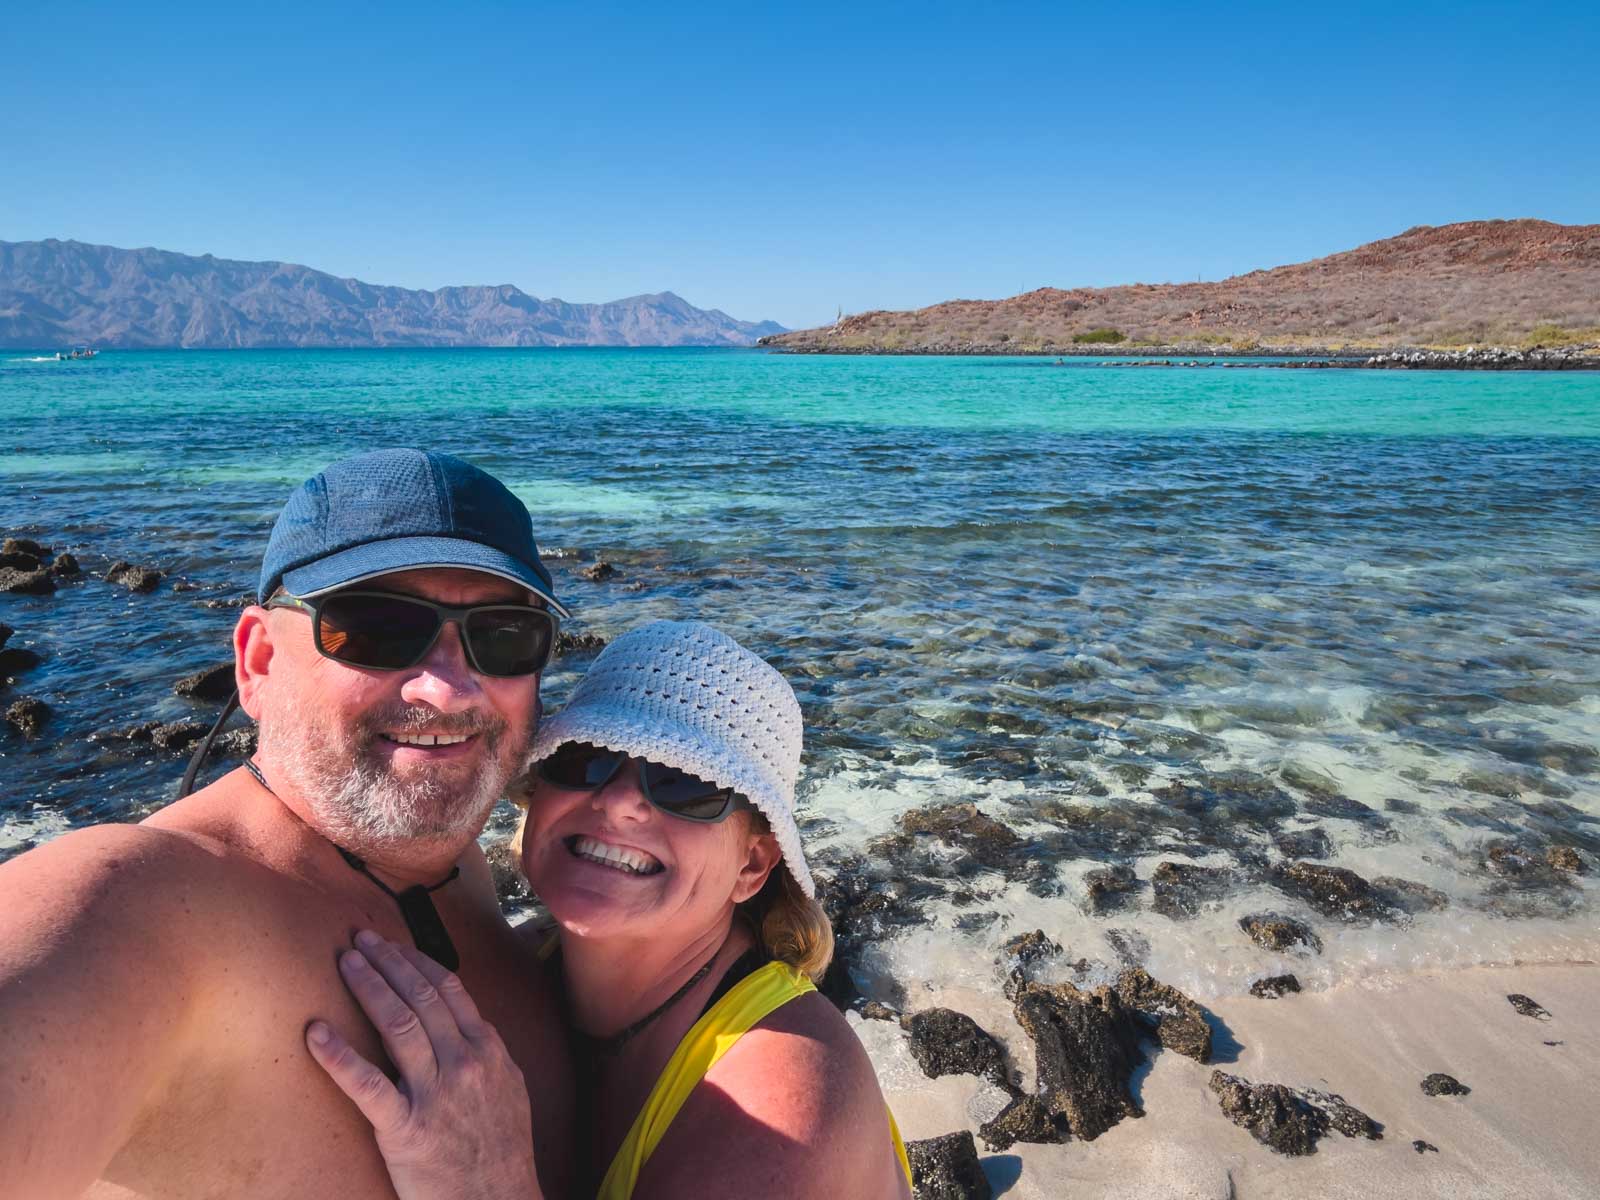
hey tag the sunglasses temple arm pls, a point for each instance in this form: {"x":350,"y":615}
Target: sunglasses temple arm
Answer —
{"x":204,"y":748}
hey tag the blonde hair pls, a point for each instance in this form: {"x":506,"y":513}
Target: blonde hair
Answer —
{"x":792,"y":926}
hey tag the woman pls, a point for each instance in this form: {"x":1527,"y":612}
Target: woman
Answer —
{"x":661,"y":836}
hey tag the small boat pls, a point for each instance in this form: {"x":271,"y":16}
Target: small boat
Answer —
{"x":76,"y":352}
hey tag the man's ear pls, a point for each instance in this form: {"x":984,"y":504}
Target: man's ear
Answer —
{"x":252,"y":658}
{"x":762,"y":855}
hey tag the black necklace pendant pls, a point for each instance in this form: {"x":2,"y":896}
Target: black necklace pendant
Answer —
{"x":427,"y":927}
{"x":422,"y":919}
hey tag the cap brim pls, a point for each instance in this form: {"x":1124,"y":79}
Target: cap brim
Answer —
{"x":368,"y":561}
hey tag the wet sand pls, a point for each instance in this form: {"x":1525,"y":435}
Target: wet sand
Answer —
{"x":1526,"y":1129}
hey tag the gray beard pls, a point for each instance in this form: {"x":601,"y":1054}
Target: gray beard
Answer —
{"x":359,"y":804}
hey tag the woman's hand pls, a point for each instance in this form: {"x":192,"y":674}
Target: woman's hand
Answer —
{"x":457,"y":1124}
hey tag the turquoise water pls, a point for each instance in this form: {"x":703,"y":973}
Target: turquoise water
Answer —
{"x":1355,"y":614}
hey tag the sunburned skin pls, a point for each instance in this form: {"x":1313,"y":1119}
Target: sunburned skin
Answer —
{"x":156,"y":981}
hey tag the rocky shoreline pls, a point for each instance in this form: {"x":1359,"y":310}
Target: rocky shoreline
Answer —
{"x":1585,"y":357}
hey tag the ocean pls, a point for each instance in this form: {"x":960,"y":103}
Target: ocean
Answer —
{"x":1224,"y":619}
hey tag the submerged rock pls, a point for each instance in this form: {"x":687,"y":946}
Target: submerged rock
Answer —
{"x":1565,"y":858}
{"x":1029,"y":948}
{"x":171,"y":735}
{"x":1408,"y":896}
{"x":1085,"y":1047}
{"x":66,"y":566}
{"x":1440,"y":1084}
{"x":1182,"y":888}
{"x":1528,"y":1006}
{"x":1276,"y":932}
{"x":946,"y":1042}
{"x":947,"y":1168}
{"x":1178,"y":1023}
{"x":27,"y":715}
{"x":26,"y":583}
{"x":14,"y":660}
{"x":1304,"y":843}
{"x":1274,"y":986}
{"x":597,"y":572}
{"x":215,"y":683}
{"x":135,"y":579}
{"x":1333,"y":891}
{"x":1025,"y":1119}
{"x":1288,"y":1120}
{"x":1110,"y":888}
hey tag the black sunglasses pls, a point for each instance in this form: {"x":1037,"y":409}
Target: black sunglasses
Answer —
{"x":580,"y":767}
{"x":385,"y":632}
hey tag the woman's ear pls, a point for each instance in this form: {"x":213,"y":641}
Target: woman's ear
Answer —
{"x":761,"y":855}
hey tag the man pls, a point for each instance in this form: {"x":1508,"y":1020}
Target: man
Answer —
{"x":156,"y":980}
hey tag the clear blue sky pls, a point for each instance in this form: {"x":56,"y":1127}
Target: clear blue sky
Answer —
{"x":781,"y":161}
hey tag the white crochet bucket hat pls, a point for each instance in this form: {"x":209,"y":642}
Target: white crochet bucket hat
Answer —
{"x":687,"y":695}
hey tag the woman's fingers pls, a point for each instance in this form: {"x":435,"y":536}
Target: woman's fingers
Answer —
{"x":378,"y":1099}
{"x":398,"y":1023}
{"x":451,"y":991}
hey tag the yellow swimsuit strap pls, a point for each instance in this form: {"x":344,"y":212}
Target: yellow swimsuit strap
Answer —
{"x":748,"y":1002}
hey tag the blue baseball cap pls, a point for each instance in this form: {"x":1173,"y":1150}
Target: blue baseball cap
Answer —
{"x":400,"y":510}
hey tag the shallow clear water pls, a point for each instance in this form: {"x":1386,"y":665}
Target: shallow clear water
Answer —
{"x":1356,"y":613}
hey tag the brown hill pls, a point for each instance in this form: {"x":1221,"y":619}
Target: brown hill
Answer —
{"x":1500,"y":282}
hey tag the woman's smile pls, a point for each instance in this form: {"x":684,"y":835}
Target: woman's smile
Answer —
{"x":626,"y":859}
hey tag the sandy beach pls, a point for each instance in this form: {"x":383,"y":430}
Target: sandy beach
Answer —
{"x":1526,"y":1129}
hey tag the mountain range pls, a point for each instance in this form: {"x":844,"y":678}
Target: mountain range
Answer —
{"x":1498,"y":282}
{"x":60,"y":293}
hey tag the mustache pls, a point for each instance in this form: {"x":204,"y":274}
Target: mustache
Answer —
{"x":417,"y":718}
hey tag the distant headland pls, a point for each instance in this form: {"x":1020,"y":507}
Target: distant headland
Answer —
{"x":60,"y":293}
{"x":1524,"y":286}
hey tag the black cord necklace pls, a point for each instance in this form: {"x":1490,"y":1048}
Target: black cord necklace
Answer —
{"x":612,"y":1045}
{"x":416,"y":904}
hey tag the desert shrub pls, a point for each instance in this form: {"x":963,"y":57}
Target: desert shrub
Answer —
{"x":1097,"y":337}
{"x":1548,"y":333}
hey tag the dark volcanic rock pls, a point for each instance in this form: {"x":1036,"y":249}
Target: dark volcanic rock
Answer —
{"x":244,"y":601}
{"x":1287,"y":1120}
{"x":505,"y":868}
{"x":961,"y":824}
{"x":1274,"y":1115}
{"x":26,"y":583}
{"x":1528,"y":1006}
{"x":947,"y":1168}
{"x":871,"y":1010}
{"x":20,"y":562}
{"x":1025,"y":1119}
{"x":1109,"y":888}
{"x":174,"y":735}
{"x":946,"y":1042}
{"x":215,"y":683}
{"x":1085,"y":1046}
{"x":236,"y":743}
{"x":66,"y":566}
{"x":1177,"y":1022}
{"x":1439,"y":1084}
{"x":596,"y":572}
{"x":5,"y":634}
{"x":1274,"y":986}
{"x":1422,"y":1147}
{"x":1276,"y":932}
{"x":1029,"y":948}
{"x":1182,"y":888}
{"x":27,"y":715}
{"x":135,"y":579}
{"x":17,"y":659}
{"x":15,"y":545}
{"x":577,"y":643}
{"x":1333,"y":891}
